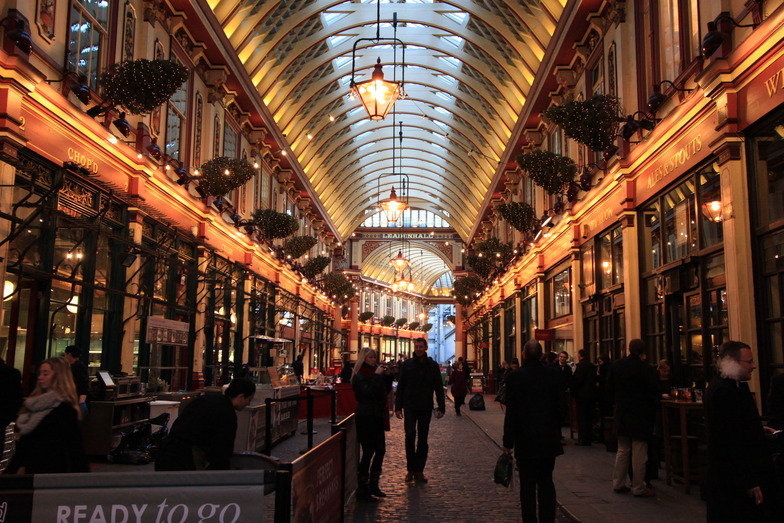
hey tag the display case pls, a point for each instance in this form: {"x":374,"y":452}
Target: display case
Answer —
{"x":108,"y":419}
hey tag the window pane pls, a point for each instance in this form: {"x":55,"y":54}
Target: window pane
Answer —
{"x":617,"y":254}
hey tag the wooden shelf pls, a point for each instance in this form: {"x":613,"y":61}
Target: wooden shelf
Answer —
{"x":107,"y":419}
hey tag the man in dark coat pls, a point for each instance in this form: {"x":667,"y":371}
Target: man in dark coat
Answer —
{"x":633,"y":386}
{"x":583,"y":389}
{"x":81,"y":377}
{"x":10,"y":395}
{"x":419,"y":378}
{"x":532,"y":427}
{"x":739,"y":486}
{"x":202,"y":437}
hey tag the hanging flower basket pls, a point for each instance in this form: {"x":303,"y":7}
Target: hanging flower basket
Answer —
{"x":365,"y":316}
{"x":414,"y":325}
{"x":140,"y":86}
{"x":273,"y":224}
{"x":337,"y":287}
{"x":222,"y":175}
{"x":315,"y":266}
{"x":426,"y":327}
{"x":400,"y":322}
{"x":464,"y":289}
{"x":592,"y":122}
{"x":387,"y":321}
{"x":550,"y":171}
{"x":299,"y":245}
{"x":519,"y":215}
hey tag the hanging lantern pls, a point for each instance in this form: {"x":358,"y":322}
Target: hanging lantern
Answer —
{"x":399,"y":262}
{"x":377,"y":95}
{"x":392,"y":207}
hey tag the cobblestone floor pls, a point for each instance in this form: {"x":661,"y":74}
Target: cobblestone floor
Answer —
{"x":460,"y":470}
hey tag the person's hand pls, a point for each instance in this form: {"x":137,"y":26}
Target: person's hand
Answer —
{"x":381,"y":369}
{"x":756,"y":494}
{"x":399,"y":414}
{"x":506,"y":450}
{"x":439,"y":415}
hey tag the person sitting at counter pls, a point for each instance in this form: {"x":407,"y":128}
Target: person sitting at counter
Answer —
{"x":202,"y":437}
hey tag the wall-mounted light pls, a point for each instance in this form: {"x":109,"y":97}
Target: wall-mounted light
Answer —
{"x":16,"y":31}
{"x":657,"y":98}
{"x":8,"y":290}
{"x":122,"y":125}
{"x":73,"y":305}
{"x":154,"y":150}
{"x":714,"y":38}
{"x":716,"y":212}
{"x":128,"y":259}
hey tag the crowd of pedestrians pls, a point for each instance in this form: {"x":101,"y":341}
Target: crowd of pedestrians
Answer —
{"x":743,"y":482}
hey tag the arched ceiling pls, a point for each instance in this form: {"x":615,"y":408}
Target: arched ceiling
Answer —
{"x":469,"y":67}
{"x":427,"y":264}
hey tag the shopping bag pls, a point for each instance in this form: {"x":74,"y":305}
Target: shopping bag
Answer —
{"x":504,"y":468}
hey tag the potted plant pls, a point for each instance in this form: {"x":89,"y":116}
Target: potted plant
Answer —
{"x":400,"y":322}
{"x":365,"y":316}
{"x":314,"y":266}
{"x":273,"y":224}
{"x":426,"y":327}
{"x":387,"y":321}
{"x":519,"y":215}
{"x":222,"y":175}
{"x":338,"y":287}
{"x":141,"y":86}
{"x":592,"y":122}
{"x":414,"y":325}
{"x":550,"y":171}
{"x":299,"y":245}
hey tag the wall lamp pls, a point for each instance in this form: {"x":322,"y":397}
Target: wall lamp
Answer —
{"x":547,"y":220}
{"x":98,"y":110}
{"x":122,"y":125}
{"x":714,"y":38}
{"x":155,"y":150}
{"x":77,"y":85}
{"x":183,"y":176}
{"x":631,"y":126}
{"x":19,"y":34}
{"x":656,"y":98}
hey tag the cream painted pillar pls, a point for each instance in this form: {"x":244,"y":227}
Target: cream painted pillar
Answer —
{"x":353,"y":340}
{"x":738,"y":238}
{"x":631,"y":277}
{"x":460,"y":344}
{"x":577,"y":308}
{"x":518,"y":349}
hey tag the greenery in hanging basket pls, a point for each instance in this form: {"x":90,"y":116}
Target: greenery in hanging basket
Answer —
{"x":337,"y":287}
{"x":481,"y":265}
{"x":519,"y":215}
{"x":214,"y":179}
{"x":414,"y":325}
{"x":314,"y":266}
{"x":387,"y":321}
{"x":593,"y":122}
{"x":273,"y":224}
{"x":550,"y":171}
{"x":299,"y":245}
{"x":464,"y":289}
{"x":451,"y":319}
{"x":426,"y":327}
{"x":400,"y":322}
{"x":140,"y":86}
{"x":365,"y":316}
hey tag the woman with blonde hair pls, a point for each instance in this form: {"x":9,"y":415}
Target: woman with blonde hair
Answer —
{"x":371,"y":383}
{"x":47,"y":429}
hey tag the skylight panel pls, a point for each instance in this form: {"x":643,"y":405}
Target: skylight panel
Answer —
{"x":342,"y":61}
{"x":358,"y":124}
{"x":448,"y":79}
{"x":459,"y":17}
{"x":454,"y":62}
{"x":335,"y":41}
{"x":364,"y":145}
{"x":355,"y":110}
{"x":330,"y":17}
{"x":366,"y":133}
{"x":442,"y":111}
{"x":438,"y":146}
{"x":446,"y":96}
{"x":453,"y":40}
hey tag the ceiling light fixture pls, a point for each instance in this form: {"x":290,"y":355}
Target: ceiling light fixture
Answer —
{"x":378,"y":95}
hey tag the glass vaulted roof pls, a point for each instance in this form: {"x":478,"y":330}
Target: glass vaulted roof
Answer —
{"x":469,"y":65}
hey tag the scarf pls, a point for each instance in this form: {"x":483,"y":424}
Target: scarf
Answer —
{"x":36,"y":408}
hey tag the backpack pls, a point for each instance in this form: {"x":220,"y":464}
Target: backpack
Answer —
{"x":477,"y":402}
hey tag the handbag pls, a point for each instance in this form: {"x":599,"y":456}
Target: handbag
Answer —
{"x":504,"y":469}
{"x":501,"y":396}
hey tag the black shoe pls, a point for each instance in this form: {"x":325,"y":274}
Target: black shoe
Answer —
{"x":622,"y":490}
{"x":366,"y":496}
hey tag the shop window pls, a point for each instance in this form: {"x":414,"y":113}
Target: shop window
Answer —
{"x":587,"y":270}
{"x":230,"y":139}
{"x":560,"y":290}
{"x":87,"y":39}
{"x":611,"y":258}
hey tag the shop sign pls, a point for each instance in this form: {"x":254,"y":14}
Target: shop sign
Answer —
{"x":82,"y":160}
{"x":544,"y":334}
{"x":406,"y":236}
{"x":598,"y":221}
{"x":762,"y":94}
{"x":676,"y":159}
{"x":167,"y":332}
{"x":316,"y":483}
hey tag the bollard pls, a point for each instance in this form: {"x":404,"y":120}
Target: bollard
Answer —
{"x":283,"y":497}
{"x":310,"y":420}
{"x":334,"y":398}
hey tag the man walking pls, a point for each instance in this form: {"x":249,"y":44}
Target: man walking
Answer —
{"x":739,"y":463}
{"x":633,"y":386}
{"x":583,"y":389}
{"x":532,"y":427}
{"x":419,"y":378}
{"x":81,"y":377}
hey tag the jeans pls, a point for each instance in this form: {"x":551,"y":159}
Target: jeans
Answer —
{"x":370,"y":434}
{"x":417,"y":427}
{"x":637,"y":451}
{"x":536,"y":484}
